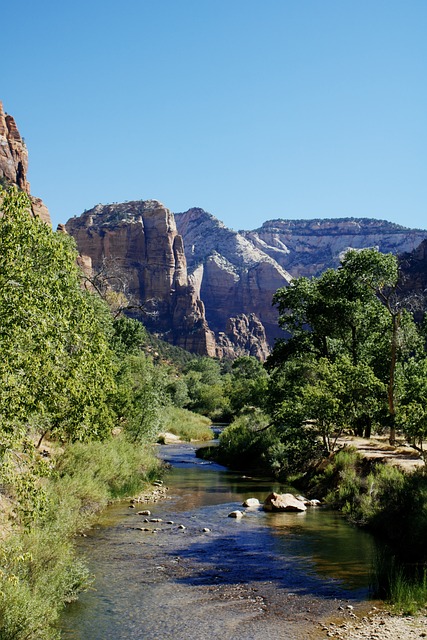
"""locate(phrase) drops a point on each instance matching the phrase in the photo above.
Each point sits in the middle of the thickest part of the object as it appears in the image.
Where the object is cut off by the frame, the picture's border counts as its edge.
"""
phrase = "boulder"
(283, 502)
(236, 514)
(251, 502)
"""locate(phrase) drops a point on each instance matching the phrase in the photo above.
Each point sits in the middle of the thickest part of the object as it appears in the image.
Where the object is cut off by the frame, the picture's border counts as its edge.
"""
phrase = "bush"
(405, 587)
(246, 443)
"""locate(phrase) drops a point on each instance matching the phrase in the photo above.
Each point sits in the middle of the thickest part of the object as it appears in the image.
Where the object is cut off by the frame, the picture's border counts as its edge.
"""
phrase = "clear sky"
(250, 109)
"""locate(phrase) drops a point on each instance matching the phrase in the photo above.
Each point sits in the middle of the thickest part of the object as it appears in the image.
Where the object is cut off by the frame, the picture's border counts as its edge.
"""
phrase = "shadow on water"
(294, 557)
(264, 575)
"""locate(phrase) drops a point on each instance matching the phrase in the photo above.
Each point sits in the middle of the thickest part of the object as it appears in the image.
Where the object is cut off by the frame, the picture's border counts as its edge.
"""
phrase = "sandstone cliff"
(232, 275)
(14, 162)
(238, 272)
(308, 247)
(243, 335)
(137, 246)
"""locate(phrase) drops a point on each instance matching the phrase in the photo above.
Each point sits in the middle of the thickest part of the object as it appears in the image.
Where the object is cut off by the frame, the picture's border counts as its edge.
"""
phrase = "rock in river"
(283, 502)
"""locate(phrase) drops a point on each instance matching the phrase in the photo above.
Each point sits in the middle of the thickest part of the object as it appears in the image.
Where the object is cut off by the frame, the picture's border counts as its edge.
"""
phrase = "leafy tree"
(247, 384)
(377, 274)
(139, 397)
(207, 388)
(352, 318)
(55, 358)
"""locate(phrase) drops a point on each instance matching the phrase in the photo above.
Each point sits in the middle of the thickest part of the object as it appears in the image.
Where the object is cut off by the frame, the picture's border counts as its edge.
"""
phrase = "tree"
(352, 314)
(55, 358)
(247, 384)
(377, 274)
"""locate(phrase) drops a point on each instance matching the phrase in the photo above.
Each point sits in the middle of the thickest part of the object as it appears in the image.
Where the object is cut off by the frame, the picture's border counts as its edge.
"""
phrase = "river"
(265, 576)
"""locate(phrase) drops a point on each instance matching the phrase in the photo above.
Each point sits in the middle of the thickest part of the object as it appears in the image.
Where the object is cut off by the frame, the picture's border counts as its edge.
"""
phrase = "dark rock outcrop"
(243, 335)
(14, 162)
(139, 244)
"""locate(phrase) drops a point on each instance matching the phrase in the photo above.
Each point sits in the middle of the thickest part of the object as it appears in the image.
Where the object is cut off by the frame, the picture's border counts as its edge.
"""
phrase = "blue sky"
(251, 110)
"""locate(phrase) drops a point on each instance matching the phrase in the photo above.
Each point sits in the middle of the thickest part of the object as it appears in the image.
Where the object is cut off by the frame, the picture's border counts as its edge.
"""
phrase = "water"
(266, 575)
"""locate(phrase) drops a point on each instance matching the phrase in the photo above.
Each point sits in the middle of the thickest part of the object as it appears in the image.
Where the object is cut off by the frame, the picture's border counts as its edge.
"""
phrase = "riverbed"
(195, 573)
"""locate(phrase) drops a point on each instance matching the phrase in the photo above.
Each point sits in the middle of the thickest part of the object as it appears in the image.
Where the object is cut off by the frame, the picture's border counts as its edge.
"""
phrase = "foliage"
(247, 384)
(349, 338)
(206, 388)
(55, 355)
(405, 587)
(245, 443)
(39, 571)
(139, 397)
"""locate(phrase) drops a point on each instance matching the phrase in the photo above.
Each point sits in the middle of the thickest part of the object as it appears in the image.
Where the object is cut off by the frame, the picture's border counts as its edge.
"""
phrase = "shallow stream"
(267, 575)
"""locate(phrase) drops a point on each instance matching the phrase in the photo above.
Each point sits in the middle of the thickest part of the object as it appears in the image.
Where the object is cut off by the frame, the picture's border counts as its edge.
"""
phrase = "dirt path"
(401, 455)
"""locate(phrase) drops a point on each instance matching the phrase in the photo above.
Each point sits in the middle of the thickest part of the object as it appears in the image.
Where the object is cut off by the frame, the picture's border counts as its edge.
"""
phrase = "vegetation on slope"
(82, 402)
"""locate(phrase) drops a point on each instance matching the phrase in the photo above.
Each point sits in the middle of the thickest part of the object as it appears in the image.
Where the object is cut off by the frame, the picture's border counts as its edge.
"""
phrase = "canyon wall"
(136, 246)
(232, 275)
(14, 163)
(308, 247)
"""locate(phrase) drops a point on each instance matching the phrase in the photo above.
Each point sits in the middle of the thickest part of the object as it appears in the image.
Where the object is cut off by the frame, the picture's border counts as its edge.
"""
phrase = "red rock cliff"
(140, 240)
(14, 162)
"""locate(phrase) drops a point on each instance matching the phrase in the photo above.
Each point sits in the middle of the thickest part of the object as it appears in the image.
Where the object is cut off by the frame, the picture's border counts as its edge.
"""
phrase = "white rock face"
(308, 247)
(237, 277)
(239, 272)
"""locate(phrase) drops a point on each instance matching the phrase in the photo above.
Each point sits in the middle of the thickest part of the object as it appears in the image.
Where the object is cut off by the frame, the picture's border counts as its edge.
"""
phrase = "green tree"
(207, 388)
(55, 357)
(247, 384)
(353, 315)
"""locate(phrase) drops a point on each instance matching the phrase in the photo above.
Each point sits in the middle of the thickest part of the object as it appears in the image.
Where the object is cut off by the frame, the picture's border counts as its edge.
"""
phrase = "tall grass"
(404, 586)
(39, 571)
(186, 424)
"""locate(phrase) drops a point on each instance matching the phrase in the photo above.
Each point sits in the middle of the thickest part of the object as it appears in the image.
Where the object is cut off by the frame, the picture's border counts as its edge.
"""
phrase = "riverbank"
(374, 624)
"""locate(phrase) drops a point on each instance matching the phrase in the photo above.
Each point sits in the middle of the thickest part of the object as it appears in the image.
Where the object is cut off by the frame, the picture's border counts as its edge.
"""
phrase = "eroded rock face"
(13, 153)
(14, 162)
(308, 247)
(232, 275)
(243, 335)
(138, 243)
(238, 273)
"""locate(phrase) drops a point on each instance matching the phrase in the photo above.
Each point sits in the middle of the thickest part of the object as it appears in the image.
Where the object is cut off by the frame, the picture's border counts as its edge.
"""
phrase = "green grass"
(403, 586)
(186, 424)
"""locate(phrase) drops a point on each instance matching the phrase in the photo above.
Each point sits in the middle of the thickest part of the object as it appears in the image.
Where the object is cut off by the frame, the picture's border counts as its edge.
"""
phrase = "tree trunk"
(393, 358)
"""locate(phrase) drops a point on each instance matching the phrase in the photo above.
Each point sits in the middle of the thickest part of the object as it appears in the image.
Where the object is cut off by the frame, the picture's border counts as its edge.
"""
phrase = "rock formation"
(223, 305)
(239, 272)
(231, 274)
(308, 247)
(14, 162)
(243, 335)
(137, 247)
